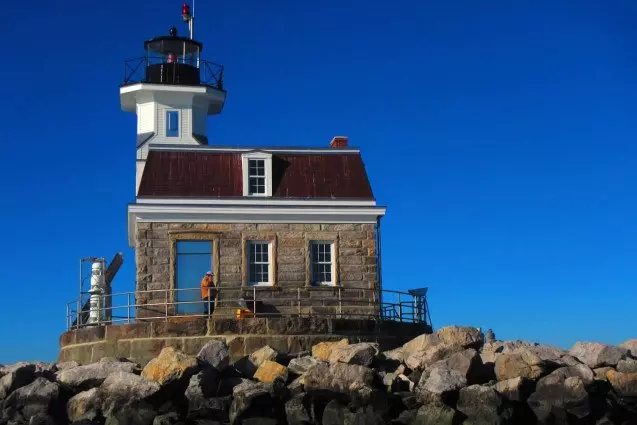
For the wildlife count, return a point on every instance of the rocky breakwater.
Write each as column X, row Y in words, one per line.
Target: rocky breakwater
column 449, row 377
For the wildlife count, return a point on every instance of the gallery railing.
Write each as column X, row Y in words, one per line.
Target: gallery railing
column 125, row 307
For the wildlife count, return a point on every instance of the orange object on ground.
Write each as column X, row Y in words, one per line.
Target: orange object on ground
column 243, row 313
column 206, row 283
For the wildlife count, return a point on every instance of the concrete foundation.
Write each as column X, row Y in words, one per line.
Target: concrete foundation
column 143, row 341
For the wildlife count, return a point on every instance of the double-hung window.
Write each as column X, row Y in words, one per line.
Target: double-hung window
column 256, row 177
column 259, row 263
column 322, row 263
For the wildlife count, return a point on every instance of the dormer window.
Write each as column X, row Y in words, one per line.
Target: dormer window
column 256, row 177
column 257, row 173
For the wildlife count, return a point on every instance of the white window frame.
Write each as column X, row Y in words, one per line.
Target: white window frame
column 249, row 262
column 245, row 165
column 332, row 263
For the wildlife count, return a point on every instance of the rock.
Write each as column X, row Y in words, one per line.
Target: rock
column 299, row 366
column 124, row 389
column 515, row 389
column 521, row 363
column 213, row 408
column 466, row 362
column 596, row 355
column 338, row 377
column 581, row 370
column 365, row 415
column 269, row 371
column 435, row 414
column 85, row 405
column 263, row 354
column 171, row 418
column 323, row 350
column 14, row 377
column 555, row 395
column 297, row 410
column 171, row 365
column 297, row 386
column 361, row 354
column 441, row 380
column 627, row 365
column 92, row 375
column 250, row 399
column 137, row 414
column 631, row 346
column 464, row 336
column 600, row 373
column 201, row 387
column 395, row 354
column 420, row 343
column 334, row 413
column 215, row 354
column 422, row 359
column 624, row 384
column 41, row 419
column 67, row 365
column 406, row 417
column 36, row 398
column 480, row 404
column 568, row 360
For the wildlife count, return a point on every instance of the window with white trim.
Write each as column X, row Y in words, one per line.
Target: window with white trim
column 322, row 263
column 256, row 177
column 259, row 267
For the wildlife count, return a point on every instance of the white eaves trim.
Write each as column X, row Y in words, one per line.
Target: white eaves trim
column 281, row 150
column 259, row 201
column 140, row 213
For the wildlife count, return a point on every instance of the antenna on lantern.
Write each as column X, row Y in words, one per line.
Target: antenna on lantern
column 189, row 17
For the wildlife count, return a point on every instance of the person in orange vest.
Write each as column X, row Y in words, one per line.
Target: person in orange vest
column 209, row 300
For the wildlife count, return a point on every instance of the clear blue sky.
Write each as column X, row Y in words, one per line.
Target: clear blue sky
column 500, row 134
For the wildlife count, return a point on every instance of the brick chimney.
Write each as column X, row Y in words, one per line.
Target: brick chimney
column 339, row 142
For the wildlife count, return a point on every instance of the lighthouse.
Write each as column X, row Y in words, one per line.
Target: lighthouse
column 172, row 90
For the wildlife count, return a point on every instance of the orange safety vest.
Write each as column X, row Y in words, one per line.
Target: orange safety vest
column 206, row 283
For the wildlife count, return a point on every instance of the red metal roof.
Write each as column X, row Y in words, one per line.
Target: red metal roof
column 218, row 174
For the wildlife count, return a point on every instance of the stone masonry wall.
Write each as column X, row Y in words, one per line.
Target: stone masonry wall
column 355, row 245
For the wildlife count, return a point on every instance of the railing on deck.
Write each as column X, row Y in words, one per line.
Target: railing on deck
column 171, row 303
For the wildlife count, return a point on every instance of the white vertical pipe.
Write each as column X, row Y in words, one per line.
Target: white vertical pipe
column 97, row 289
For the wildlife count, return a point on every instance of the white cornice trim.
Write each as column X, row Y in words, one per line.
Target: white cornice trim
column 212, row 148
column 164, row 88
column 247, row 214
column 259, row 202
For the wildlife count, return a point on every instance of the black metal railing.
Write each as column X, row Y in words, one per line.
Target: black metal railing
column 183, row 71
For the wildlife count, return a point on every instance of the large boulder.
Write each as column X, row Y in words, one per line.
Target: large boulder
column 397, row 354
column 170, row 418
column 37, row 398
column 131, row 414
column 124, row 389
column 92, row 375
column 466, row 362
column 624, row 384
column 556, row 395
column 361, row 354
column 627, row 365
column 581, row 370
column 84, row 406
column 442, row 379
column 263, row 354
column 14, row 377
column 251, row 399
column 170, row 366
column 521, row 363
column 464, row 337
column 338, row 378
column 480, row 404
column 298, row 410
column 268, row 371
column 631, row 346
column 515, row 389
column 202, row 388
column 323, row 350
column 334, row 413
column 215, row 354
column 435, row 414
column 594, row 354
column 300, row 365
column 422, row 359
